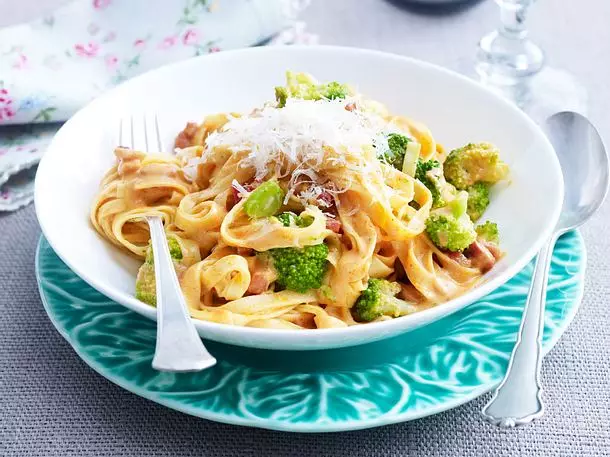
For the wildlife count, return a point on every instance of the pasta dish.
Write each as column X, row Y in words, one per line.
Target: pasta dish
column 319, row 209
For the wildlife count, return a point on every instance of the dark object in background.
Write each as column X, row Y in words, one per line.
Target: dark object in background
column 432, row 7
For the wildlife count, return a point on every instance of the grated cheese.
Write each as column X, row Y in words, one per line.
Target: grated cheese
column 295, row 141
column 298, row 133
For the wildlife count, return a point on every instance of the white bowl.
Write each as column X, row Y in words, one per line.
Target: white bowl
column 456, row 109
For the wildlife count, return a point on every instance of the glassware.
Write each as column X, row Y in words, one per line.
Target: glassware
column 510, row 63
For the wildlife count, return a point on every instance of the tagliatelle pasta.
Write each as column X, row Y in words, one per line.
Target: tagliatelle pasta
column 285, row 218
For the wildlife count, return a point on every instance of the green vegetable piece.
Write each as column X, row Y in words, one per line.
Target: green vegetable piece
column 478, row 200
column 397, row 148
column 145, row 281
column 304, row 86
column 281, row 95
column 459, row 205
column 289, row 218
column 379, row 299
column 429, row 173
column 300, row 269
column 175, row 251
column 488, row 232
column 472, row 163
column 411, row 159
column 146, row 290
column 265, row 200
column 449, row 232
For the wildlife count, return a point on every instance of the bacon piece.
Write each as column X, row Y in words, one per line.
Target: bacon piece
column 326, row 199
column 333, row 225
column 261, row 277
column 458, row 257
column 480, row 257
column 410, row 294
column 234, row 196
column 185, row 137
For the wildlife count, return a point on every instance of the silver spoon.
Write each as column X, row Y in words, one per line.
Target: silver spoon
column 584, row 163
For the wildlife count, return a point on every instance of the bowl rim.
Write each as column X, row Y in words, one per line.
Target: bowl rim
column 389, row 327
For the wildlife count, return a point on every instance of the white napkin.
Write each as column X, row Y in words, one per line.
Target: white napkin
column 53, row 66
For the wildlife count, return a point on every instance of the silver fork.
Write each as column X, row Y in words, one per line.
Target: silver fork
column 179, row 347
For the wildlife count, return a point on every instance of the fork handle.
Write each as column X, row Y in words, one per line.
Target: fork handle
column 179, row 347
column 518, row 399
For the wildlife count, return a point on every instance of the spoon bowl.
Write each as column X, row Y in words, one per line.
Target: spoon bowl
column 584, row 163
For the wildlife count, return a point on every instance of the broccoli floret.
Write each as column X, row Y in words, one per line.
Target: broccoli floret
column 472, row 163
column 478, row 200
column 450, row 232
column 145, row 284
column 175, row 251
column 488, row 232
column 300, row 269
column 289, row 218
column 304, row 86
column 429, row 173
column 145, row 281
column 281, row 95
column 395, row 153
column 334, row 90
column 378, row 299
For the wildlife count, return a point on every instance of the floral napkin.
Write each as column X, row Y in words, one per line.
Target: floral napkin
column 53, row 66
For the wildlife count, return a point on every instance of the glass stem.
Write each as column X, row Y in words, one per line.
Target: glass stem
column 512, row 16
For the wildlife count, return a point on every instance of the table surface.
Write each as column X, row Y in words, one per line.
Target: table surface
column 51, row 403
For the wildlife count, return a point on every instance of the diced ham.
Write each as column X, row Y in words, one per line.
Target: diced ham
column 458, row 257
column 185, row 137
column 480, row 256
column 326, row 199
column 350, row 106
column 235, row 196
column 260, row 278
column 333, row 225
column 410, row 294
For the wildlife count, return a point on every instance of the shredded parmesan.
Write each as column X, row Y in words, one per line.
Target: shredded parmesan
column 241, row 190
column 298, row 133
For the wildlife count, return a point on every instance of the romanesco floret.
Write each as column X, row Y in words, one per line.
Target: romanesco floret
column 300, row 269
column 379, row 299
column 478, row 200
column 145, row 282
column 472, row 163
column 304, row 86
column 429, row 173
column 451, row 232
column 488, row 232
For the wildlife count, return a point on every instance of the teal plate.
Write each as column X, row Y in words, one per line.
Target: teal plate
column 423, row 372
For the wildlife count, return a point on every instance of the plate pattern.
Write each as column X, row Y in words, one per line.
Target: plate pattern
column 429, row 370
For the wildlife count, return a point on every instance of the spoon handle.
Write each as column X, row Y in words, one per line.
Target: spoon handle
column 518, row 399
column 179, row 347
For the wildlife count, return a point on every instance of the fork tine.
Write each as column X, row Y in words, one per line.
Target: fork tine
column 158, row 134
column 145, row 133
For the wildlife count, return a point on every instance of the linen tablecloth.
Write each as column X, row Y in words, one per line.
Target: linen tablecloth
column 52, row 404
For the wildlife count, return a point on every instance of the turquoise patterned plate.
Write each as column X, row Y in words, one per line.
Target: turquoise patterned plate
column 429, row 370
